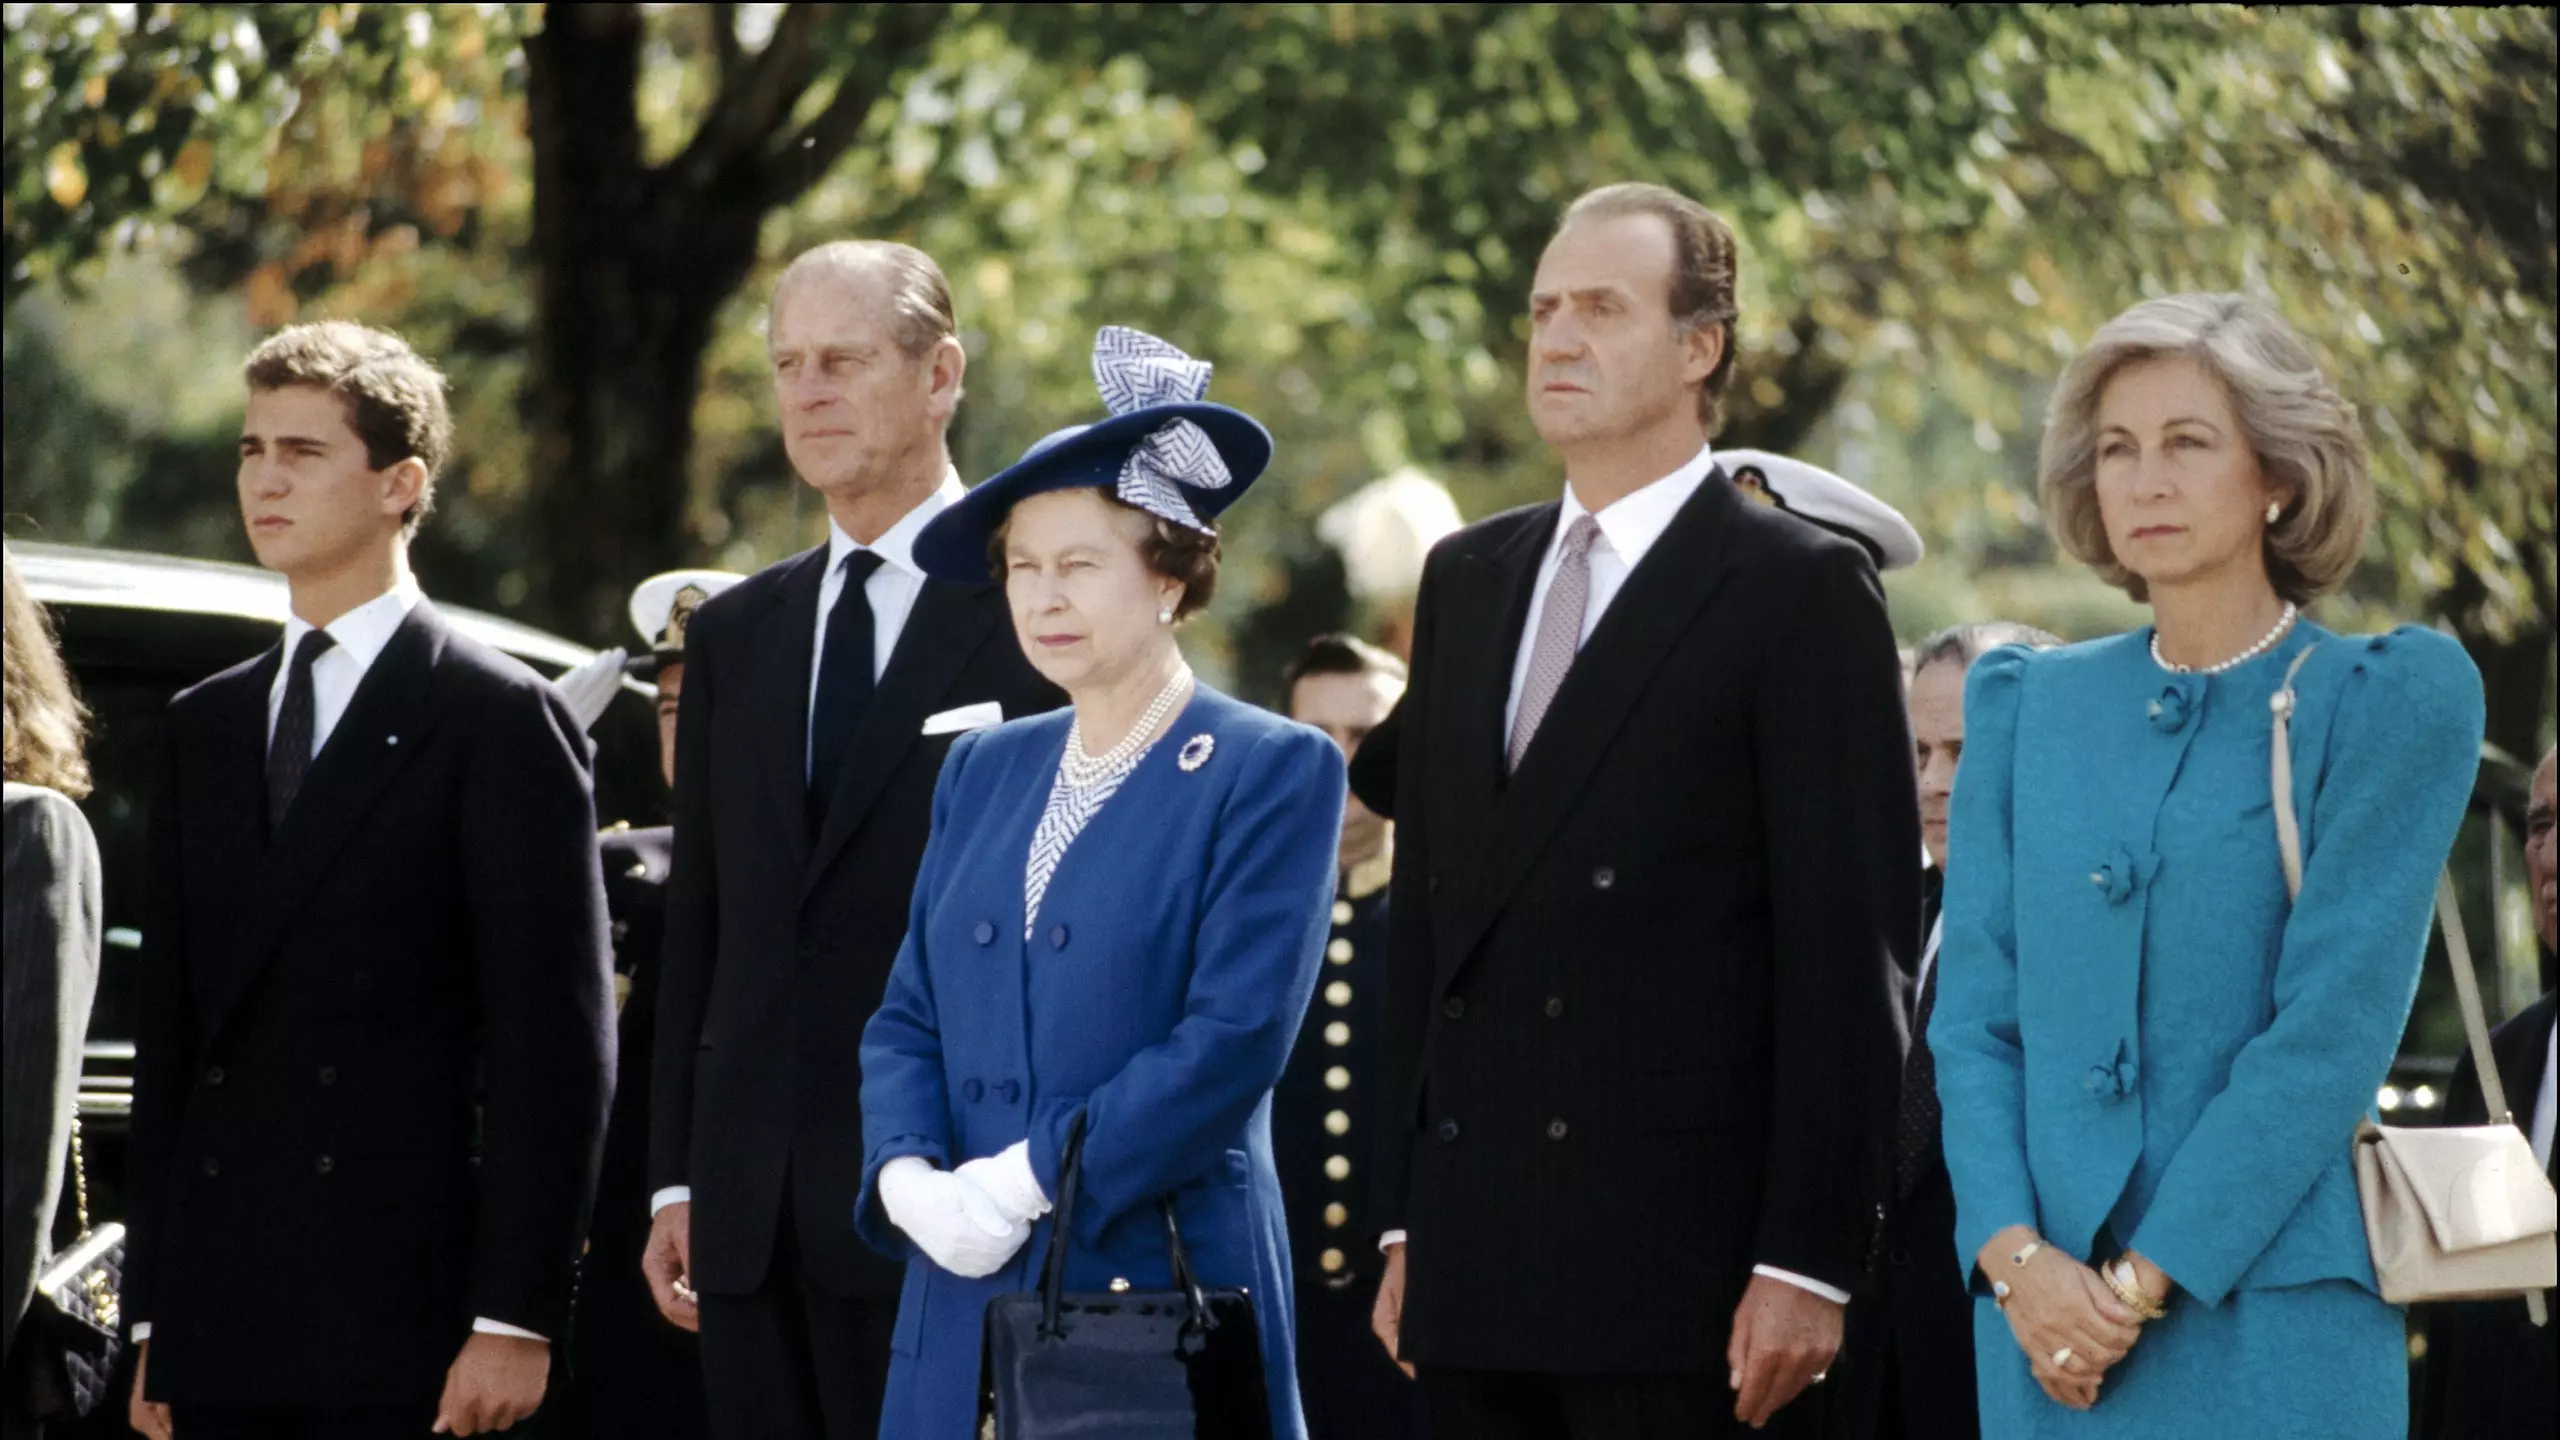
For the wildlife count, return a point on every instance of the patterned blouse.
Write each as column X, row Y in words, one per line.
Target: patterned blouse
column 1070, row 808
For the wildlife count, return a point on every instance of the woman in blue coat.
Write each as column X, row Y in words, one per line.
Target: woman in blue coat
column 1119, row 918
column 2150, row 1060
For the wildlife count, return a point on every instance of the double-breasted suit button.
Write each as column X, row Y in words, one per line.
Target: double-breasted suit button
column 1448, row 1130
column 1009, row 1091
column 1556, row 1129
column 1057, row 937
column 328, row 1075
column 1433, row 884
column 1453, row 1007
column 1555, row 1007
column 808, row 949
column 973, row 1091
column 324, row 1165
column 210, row 1166
column 984, row 932
column 1603, row 878
column 362, row 979
column 213, row 1076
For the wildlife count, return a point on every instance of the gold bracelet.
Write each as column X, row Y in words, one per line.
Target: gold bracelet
column 2120, row 1278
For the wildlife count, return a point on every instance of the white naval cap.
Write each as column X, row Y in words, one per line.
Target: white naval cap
column 661, row 604
column 1826, row 500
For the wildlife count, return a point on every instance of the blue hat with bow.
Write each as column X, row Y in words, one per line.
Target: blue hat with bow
column 1164, row 450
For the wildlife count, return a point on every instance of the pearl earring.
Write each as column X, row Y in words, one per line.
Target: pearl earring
column 1165, row 616
column 2274, row 508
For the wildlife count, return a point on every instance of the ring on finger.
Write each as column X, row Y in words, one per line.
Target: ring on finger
column 2062, row 1358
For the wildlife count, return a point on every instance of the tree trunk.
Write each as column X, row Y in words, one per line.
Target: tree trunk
column 630, row 274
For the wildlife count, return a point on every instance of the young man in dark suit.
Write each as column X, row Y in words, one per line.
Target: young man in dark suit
column 1654, row 884
column 820, row 696
column 2490, row 1372
column 376, row 1039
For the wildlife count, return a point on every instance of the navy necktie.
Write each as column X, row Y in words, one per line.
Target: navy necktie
column 844, row 682
column 1916, row 1126
column 289, row 753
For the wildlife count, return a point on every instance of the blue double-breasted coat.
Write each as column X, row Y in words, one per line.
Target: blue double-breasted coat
column 2141, row 1042
column 1158, row 995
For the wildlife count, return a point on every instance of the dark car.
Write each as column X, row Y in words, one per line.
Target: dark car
column 136, row 629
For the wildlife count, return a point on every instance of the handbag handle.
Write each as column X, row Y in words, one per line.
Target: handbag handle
column 2457, row 945
column 1053, row 1269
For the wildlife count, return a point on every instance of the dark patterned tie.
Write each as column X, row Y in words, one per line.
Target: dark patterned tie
column 844, row 682
column 1915, row 1129
column 289, row 753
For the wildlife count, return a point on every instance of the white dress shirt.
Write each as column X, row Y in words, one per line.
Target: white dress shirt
column 1928, row 956
column 360, row 636
column 892, row 591
column 2546, row 1106
column 1629, row 526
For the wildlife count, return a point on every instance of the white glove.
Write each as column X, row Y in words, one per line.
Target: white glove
column 590, row 688
column 1006, row 1177
column 949, row 1218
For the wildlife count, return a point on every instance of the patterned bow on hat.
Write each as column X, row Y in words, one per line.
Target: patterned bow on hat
column 1136, row 370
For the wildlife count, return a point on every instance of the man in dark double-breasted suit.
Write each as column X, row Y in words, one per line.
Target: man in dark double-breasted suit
column 376, row 1038
column 820, row 696
column 1654, row 883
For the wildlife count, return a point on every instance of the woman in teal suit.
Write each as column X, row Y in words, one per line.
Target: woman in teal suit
column 2150, row 1062
column 1119, row 918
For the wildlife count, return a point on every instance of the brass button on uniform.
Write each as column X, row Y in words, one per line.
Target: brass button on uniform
column 1337, row 994
column 1337, row 1078
column 1341, row 912
column 1337, row 1167
column 1337, row 1122
column 1337, row 1215
column 1338, row 951
column 1337, row 1033
column 1331, row 1260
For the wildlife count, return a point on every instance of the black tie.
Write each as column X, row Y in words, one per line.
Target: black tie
column 289, row 754
column 1916, row 1127
column 844, row 682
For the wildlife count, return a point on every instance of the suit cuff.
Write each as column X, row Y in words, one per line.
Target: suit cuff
column 672, row 1195
column 1832, row 1293
column 141, row 1331
column 1392, row 1237
column 486, row 1326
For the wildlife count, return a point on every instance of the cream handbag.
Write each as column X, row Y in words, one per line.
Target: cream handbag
column 2452, row 1212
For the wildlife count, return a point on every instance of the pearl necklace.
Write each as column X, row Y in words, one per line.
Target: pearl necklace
column 2283, row 623
column 1080, row 770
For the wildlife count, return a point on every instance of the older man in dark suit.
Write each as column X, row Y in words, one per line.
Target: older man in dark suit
column 1654, row 883
column 2490, row 1372
column 820, row 696
column 376, row 1038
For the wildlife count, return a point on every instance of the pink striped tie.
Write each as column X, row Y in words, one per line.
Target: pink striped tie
column 1559, row 633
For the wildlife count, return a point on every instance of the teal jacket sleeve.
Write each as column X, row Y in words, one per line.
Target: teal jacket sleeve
column 1973, row 1032
column 2404, row 749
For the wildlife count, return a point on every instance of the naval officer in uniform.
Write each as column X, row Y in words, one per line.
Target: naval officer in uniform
column 1325, row 1105
column 638, row 1375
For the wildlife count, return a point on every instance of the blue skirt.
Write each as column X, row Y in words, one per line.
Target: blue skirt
column 2325, row 1361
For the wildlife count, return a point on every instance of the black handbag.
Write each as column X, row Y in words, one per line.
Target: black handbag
column 72, row 1336
column 1179, row 1364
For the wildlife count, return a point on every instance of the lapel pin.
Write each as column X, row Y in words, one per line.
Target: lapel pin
column 1195, row 752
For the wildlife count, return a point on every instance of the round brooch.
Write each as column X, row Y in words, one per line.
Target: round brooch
column 1195, row 752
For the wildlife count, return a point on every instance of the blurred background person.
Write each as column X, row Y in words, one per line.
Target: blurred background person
column 639, row 1375
column 2150, row 1062
column 48, row 953
column 1327, row 1101
column 2490, row 1371
column 1909, row 1363
column 1119, row 920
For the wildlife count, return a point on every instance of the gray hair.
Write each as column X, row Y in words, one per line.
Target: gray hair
column 2305, row 434
column 919, row 297
column 1965, row 644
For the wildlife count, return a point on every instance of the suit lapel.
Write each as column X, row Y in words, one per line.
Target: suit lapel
column 1482, row 689
column 227, row 842
column 1653, row 611
column 947, row 626
column 782, row 644
column 386, row 721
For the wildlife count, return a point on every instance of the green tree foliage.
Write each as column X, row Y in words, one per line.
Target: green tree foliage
column 579, row 212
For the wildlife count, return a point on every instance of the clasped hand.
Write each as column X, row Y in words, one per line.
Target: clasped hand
column 950, row 1217
column 2058, row 1307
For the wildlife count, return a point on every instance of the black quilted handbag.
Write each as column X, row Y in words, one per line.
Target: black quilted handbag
column 72, row 1336
column 1179, row 1364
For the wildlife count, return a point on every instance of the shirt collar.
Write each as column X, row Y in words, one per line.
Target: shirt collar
column 897, row 545
column 363, row 632
column 1633, row 522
